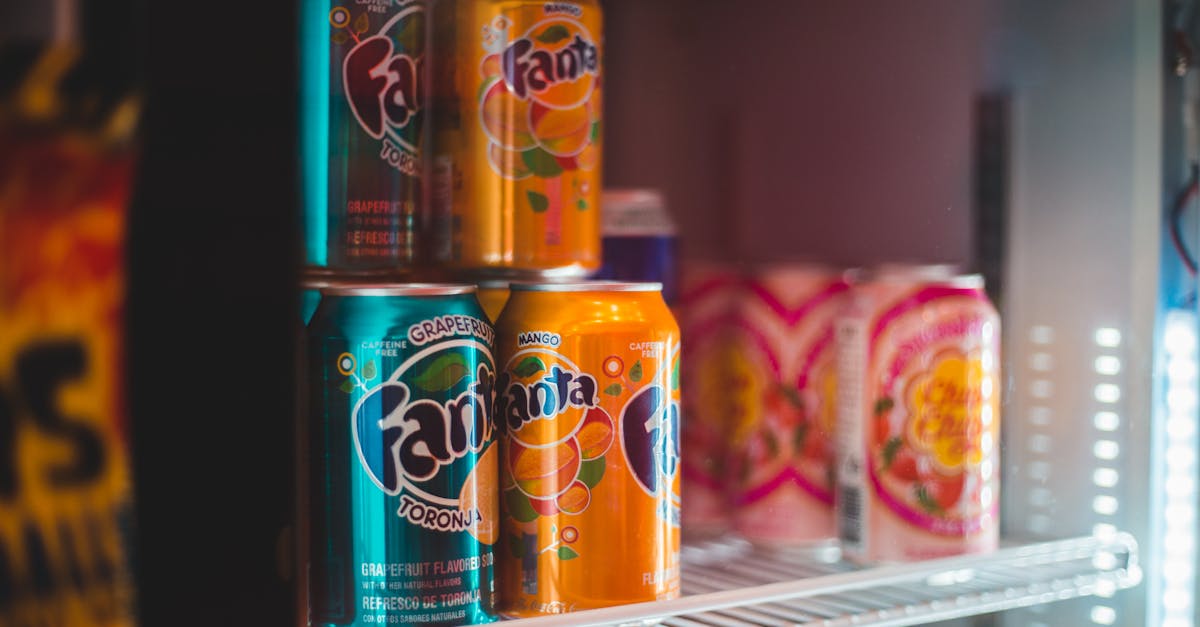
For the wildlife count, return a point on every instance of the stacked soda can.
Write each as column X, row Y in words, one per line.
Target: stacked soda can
column 488, row 433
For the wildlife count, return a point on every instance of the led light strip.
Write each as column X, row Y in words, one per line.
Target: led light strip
column 1179, row 521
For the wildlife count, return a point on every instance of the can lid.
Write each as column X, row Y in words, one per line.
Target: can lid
column 492, row 284
column 912, row 271
column 357, row 288
column 635, row 213
column 588, row 286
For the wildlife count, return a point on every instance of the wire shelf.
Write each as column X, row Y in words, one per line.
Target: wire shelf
column 730, row 583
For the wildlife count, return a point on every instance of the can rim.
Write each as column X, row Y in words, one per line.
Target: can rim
column 365, row 288
column 588, row 286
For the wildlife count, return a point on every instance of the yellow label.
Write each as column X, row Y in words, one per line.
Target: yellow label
column 64, row 485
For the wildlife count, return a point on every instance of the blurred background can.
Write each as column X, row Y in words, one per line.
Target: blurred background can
column 402, row 462
column 68, row 112
column 639, row 240
column 517, row 172
column 364, row 118
column 588, row 407
column 706, row 310
column 783, row 439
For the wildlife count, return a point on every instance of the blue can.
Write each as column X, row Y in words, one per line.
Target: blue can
column 363, row 111
column 639, row 240
column 403, row 506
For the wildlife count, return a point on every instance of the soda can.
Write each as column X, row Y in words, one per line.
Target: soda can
column 517, row 172
column 782, row 442
column 918, row 417
column 706, row 310
column 492, row 296
column 363, row 110
column 639, row 240
column 587, row 402
column 403, row 463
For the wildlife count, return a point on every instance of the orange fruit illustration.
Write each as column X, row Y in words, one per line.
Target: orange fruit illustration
column 545, row 472
column 479, row 491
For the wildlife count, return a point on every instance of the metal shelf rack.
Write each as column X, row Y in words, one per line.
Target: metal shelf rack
column 730, row 583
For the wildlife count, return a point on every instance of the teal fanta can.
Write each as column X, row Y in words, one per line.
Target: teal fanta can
column 402, row 492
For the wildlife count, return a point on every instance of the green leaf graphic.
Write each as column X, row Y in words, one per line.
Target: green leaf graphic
column 483, row 89
column 340, row 37
column 799, row 437
column 443, row 373
column 369, row 371
column 412, row 35
column 541, row 163
column 514, row 546
column 566, row 553
column 554, row 34
column 529, row 367
column 772, row 444
column 792, row 395
column 675, row 376
column 538, row 202
column 890, row 448
column 613, row 390
column 347, row 386
column 581, row 205
column 592, row 471
column 595, row 131
column 927, row 502
column 635, row 373
column 519, row 506
column 884, row 404
column 362, row 24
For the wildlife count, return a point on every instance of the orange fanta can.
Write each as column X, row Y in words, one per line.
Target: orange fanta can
column 517, row 172
column 918, row 417
column 587, row 402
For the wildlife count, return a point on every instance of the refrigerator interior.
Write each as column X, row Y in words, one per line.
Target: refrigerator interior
column 1041, row 144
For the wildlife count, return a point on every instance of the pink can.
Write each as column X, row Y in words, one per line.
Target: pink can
column 784, row 383
column 918, row 417
column 706, row 314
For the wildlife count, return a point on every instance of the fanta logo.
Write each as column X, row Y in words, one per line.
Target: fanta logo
column 399, row 437
column 381, row 87
column 527, row 67
column 540, row 338
column 518, row 403
column 650, row 438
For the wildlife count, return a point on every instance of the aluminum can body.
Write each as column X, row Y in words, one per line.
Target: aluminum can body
column 402, row 462
column 588, row 402
column 363, row 129
column 517, row 172
column 918, row 418
column 706, row 311
column 782, row 442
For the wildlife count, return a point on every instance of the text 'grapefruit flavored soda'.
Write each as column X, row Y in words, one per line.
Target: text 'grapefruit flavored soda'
column 706, row 310
column 402, row 460
column 784, row 375
column 364, row 122
column 918, row 417
column 588, row 404
column 519, row 145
